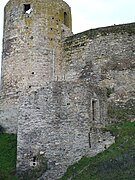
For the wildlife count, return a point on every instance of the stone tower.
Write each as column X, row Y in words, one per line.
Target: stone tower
column 32, row 55
column 32, row 43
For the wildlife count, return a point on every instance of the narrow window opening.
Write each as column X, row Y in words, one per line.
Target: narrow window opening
column 29, row 86
column 65, row 19
column 89, row 136
column 34, row 159
column 93, row 109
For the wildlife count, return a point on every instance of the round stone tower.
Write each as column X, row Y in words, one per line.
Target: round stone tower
column 32, row 51
column 33, row 31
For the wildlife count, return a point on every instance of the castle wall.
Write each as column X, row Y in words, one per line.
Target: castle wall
column 56, row 126
column 105, row 57
column 55, row 87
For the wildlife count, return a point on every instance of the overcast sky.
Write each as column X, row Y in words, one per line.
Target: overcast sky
column 89, row 14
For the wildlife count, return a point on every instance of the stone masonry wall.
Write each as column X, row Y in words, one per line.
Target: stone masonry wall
column 56, row 125
column 106, row 58
column 55, row 88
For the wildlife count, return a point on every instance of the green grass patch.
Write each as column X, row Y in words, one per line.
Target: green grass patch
column 7, row 156
column 117, row 162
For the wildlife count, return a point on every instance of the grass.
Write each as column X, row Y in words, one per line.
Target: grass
column 116, row 163
column 7, row 156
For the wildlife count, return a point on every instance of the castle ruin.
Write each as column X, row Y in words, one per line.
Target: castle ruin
column 57, row 87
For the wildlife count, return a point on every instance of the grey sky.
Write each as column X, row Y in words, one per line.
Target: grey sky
column 89, row 14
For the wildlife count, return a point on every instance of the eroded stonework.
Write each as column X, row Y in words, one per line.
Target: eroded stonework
column 57, row 120
column 59, row 90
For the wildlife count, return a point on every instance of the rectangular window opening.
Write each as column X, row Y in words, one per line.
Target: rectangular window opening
column 27, row 7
